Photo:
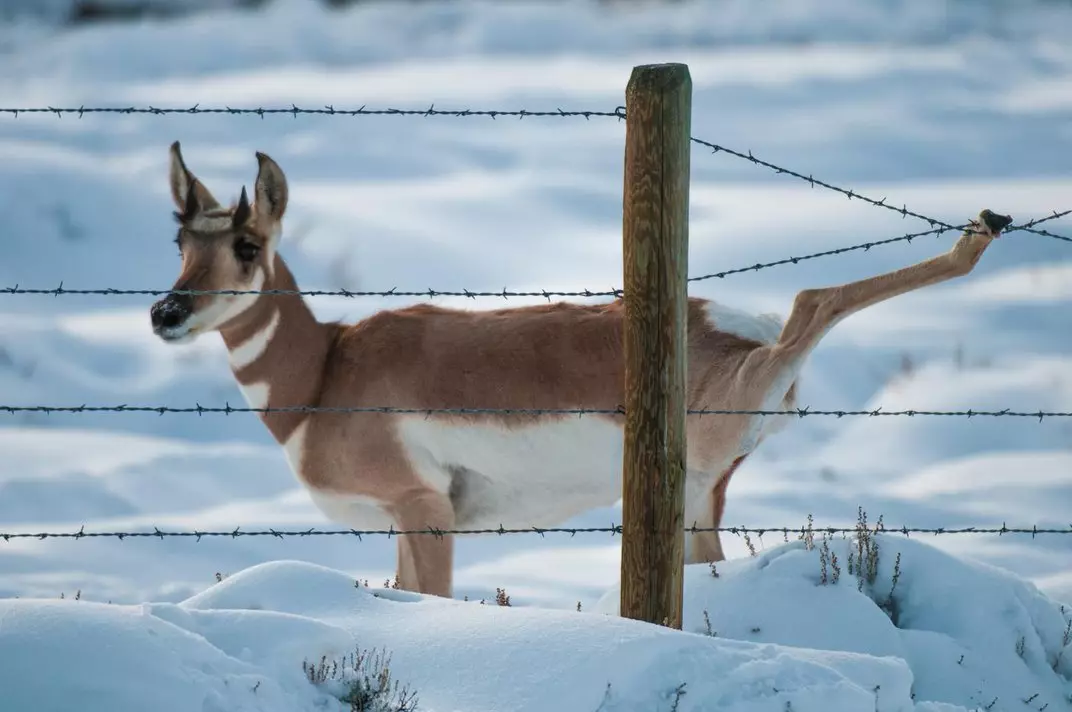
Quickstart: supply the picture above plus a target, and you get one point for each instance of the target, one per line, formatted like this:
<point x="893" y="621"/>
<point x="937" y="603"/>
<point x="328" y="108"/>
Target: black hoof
<point x="996" y="223"/>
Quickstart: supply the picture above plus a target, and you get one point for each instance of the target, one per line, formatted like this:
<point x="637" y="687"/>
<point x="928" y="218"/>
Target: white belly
<point x="535" y="475"/>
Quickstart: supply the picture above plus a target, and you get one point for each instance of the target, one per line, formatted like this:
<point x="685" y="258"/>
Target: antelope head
<point x="223" y="249"/>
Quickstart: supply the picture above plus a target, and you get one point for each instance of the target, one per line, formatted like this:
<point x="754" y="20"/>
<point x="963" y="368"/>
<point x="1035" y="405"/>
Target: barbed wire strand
<point x="294" y="111"/>
<point x="861" y="246"/>
<point x="504" y="293"/>
<point x="880" y="203"/>
<point x="613" y="530"/>
<point x="429" y="293"/>
<point x="824" y="253"/>
<point x="619" y="113"/>
<point x="228" y="409"/>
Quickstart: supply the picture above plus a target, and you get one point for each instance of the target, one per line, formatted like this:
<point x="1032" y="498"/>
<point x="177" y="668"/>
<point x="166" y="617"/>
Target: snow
<point x="765" y="634"/>
<point x="944" y="107"/>
<point x="957" y="624"/>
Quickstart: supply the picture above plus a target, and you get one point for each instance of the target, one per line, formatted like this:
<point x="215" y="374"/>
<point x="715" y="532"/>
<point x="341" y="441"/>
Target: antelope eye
<point x="246" y="251"/>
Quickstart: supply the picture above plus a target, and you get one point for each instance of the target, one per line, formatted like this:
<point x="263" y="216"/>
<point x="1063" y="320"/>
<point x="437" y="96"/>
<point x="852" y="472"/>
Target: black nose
<point x="171" y="311"/>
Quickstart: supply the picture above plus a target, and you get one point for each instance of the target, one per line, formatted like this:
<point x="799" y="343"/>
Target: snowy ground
<point x="924" y="632"/>
<point x="945" y="113"/>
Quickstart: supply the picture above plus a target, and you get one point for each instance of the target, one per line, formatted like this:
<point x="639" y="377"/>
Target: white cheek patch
<point x="226" y="306"/>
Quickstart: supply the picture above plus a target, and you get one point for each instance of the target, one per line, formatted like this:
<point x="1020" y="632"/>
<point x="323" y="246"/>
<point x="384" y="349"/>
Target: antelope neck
<point x="278" y="352"/>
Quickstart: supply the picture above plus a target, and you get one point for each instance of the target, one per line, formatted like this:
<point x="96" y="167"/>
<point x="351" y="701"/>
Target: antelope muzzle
<point x="170" y="316"/>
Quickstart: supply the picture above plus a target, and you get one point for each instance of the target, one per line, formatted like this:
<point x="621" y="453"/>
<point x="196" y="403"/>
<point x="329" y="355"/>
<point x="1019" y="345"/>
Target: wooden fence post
<point x="658" y="101"/>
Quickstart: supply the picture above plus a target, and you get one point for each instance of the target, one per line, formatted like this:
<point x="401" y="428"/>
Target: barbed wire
<point x="619" y="113"/>
<point x="613" y="530"/>
<point x="867" y="246"/>
<point x="429" y="293"/>
<point x="228" y="409"/>
<point x="504" y="293"/>
<point x="294" y="111"/>
<point x="825" y="253"/>
<point x="938" y="226"/>
<point x="881" y="202"/>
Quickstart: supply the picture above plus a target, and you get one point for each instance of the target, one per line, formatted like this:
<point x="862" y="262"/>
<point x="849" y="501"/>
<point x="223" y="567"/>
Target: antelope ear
<point x="270" y="192"/>
<point x="187" y="191"/>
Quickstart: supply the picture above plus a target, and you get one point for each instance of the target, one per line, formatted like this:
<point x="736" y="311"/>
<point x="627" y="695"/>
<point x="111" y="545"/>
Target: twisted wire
<point x="613" y="530"/>
<point x="228" y="409"/>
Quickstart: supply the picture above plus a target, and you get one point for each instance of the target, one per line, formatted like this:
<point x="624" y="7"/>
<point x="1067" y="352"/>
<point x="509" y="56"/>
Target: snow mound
<point x="970" y="632"/>
<point x="457" y="656"/>
<point x="926" y="632"/>
<point x="62" y="655"/>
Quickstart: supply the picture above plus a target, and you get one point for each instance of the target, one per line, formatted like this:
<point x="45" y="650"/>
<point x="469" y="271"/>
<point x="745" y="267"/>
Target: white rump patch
<point x="254" y="347"/>
<point x="774" y="399"/>
<point x="764" y="328"/>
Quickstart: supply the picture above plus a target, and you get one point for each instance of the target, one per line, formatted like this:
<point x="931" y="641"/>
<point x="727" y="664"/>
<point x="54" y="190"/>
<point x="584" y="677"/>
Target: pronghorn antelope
<point x="368" y="470"/>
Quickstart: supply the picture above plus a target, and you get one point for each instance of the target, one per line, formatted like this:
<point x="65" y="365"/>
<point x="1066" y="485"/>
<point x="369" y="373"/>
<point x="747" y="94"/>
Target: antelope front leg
<point x="426" y="561"/>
